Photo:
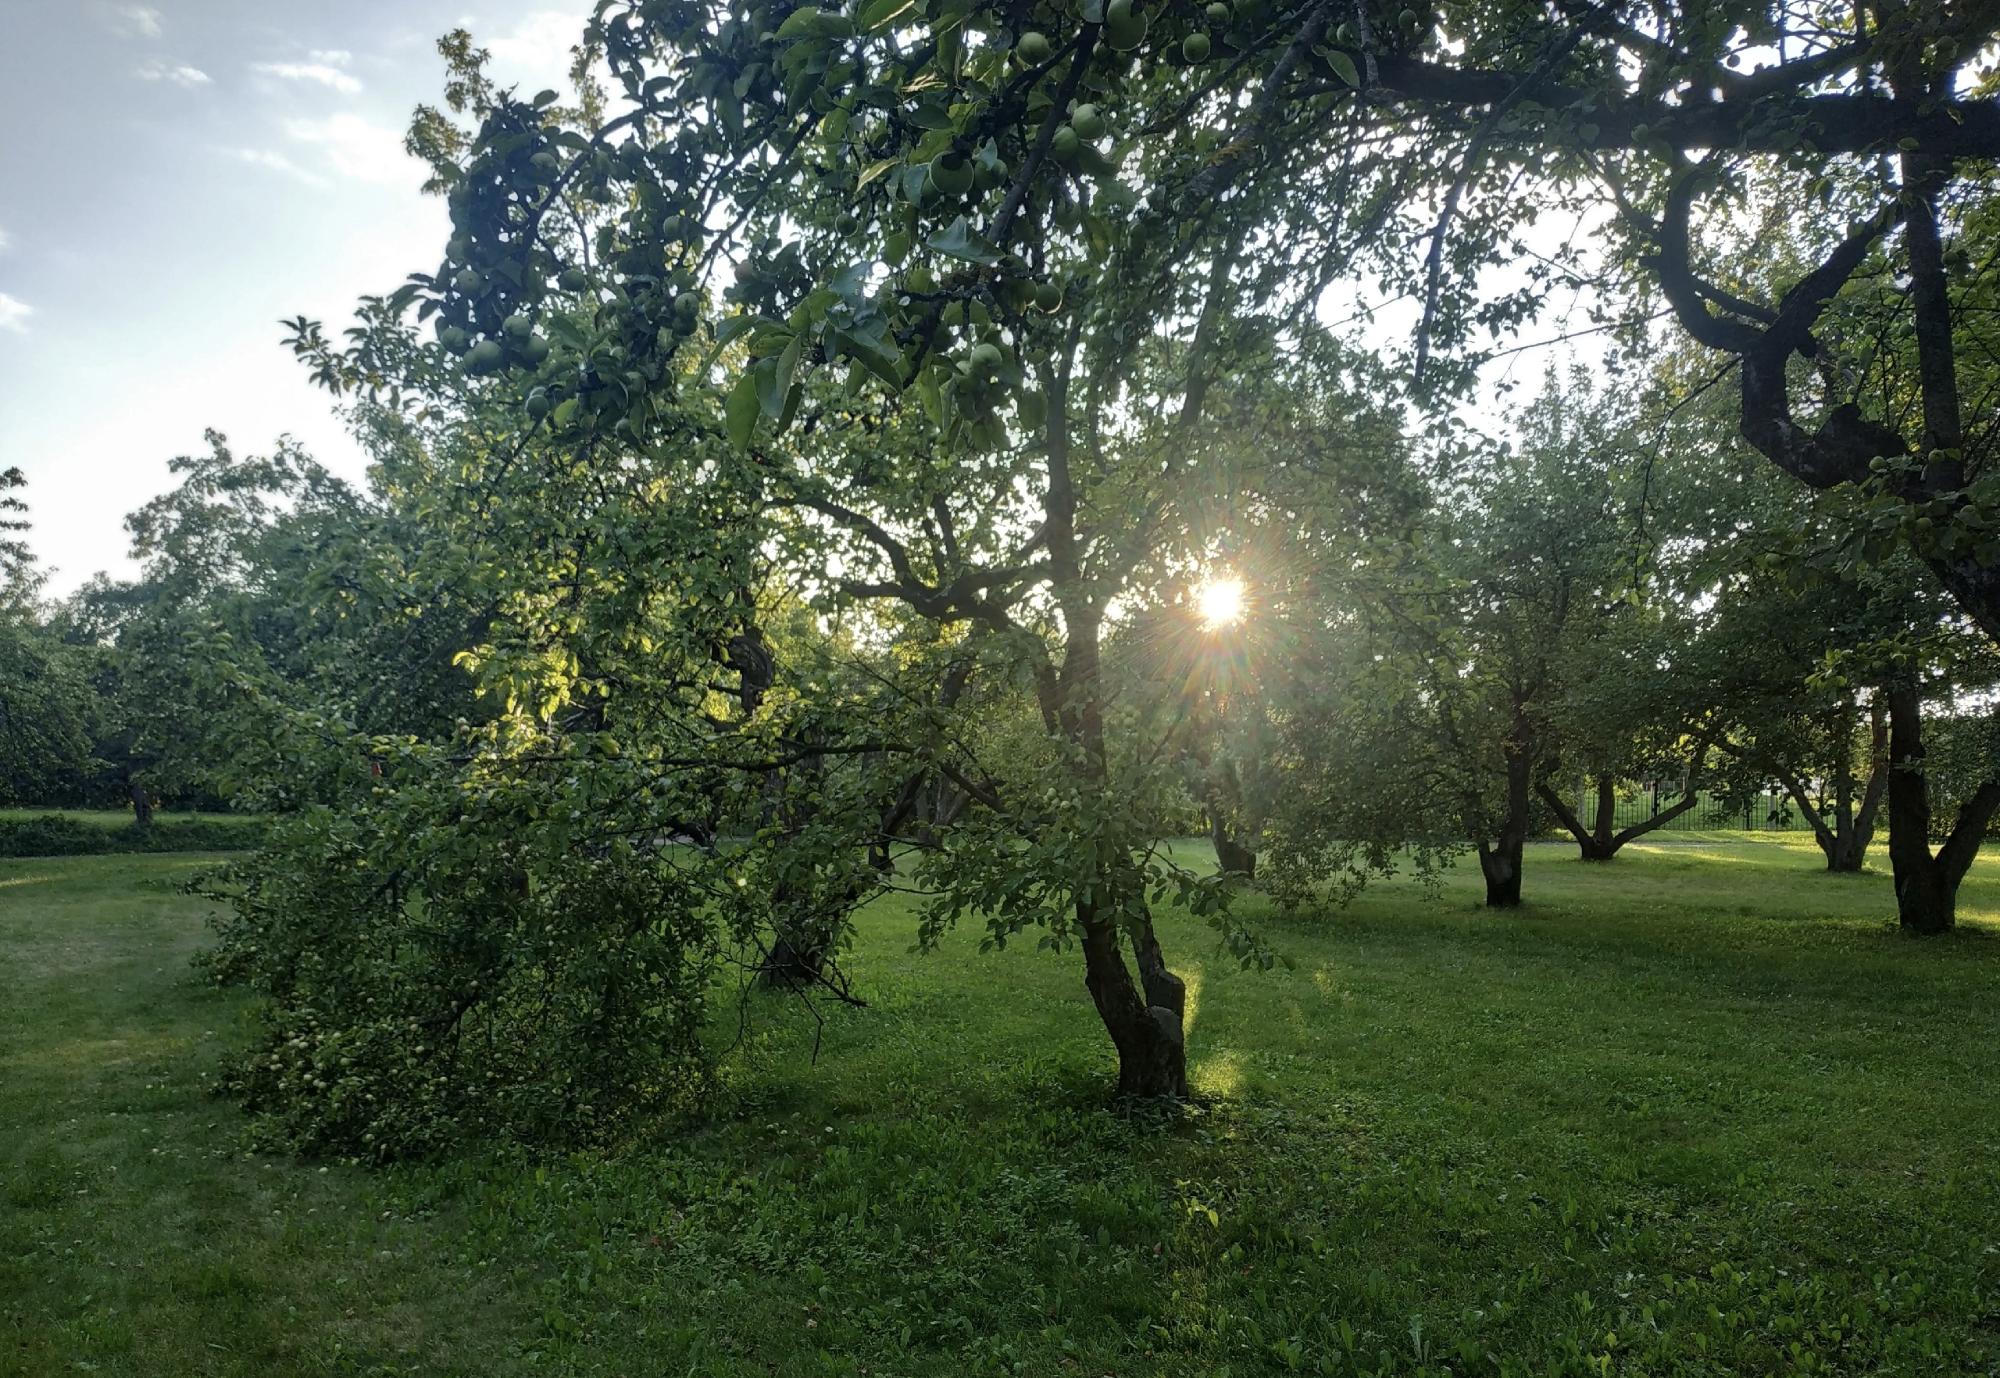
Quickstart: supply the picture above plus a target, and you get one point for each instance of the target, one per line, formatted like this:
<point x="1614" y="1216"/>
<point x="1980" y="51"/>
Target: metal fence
<point x="1769" y="810"/>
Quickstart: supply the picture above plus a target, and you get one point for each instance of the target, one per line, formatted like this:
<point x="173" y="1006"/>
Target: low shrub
<point x="62" y="835"/>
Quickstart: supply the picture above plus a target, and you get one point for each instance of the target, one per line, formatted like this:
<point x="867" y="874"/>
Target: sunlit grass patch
<point x="1640" y="1128"/>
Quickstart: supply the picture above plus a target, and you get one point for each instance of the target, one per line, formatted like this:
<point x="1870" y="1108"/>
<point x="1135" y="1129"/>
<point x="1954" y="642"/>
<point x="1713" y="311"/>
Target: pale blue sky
<point x="181" y="174"/>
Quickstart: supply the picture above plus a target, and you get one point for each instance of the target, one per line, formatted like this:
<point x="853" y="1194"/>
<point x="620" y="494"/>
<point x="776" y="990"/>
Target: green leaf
<point x="781" y="381"/>
<point x="870" y="348"/>
<point x="931" y="114"/>
<point x="960" y="240"/>
<point x="815" y="23"/>
<point x="741" y="410"/>
<point x="567" y="332"/>
<point x="879" y="14"/>
<point x="1343" y="66"/>
<point x="875" y="170"/>
<point x="735" y="326"/>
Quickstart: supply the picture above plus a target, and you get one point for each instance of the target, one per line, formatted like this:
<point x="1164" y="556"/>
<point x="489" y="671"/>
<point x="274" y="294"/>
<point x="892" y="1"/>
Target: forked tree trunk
<point x="1599" y="841"/>
<point x="1926" y="882"/>
<point x="1854" y="826"/>
<point x="1602" y="840"/>
<point x="1143" y="1019"/>
<point x="1845" y="829"/>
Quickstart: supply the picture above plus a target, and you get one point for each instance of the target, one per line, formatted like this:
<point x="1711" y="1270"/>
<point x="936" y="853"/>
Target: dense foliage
<point x="793" y="481"/>
<point x="55" y="834"/>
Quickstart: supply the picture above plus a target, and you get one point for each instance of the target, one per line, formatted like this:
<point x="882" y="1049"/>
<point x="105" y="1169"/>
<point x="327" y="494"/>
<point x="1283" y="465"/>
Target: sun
<point x="1219" y="600"/>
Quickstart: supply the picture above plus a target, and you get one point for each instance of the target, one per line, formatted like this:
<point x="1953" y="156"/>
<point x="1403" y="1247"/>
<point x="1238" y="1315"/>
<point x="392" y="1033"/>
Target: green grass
<point x="1701" y="1111"/>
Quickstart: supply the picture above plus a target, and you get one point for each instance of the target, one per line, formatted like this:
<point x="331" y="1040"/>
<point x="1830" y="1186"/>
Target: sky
<point x="181" y="175"/>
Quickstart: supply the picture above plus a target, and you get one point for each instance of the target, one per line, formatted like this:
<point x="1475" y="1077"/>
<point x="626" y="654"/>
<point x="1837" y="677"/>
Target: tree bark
<point x="1926" y="882"/>
<point x="1500" y="859"/>
<point x="1853" y="830"/>
<point x="1231" y="856"/>
<point x="1593" y="843"/>
<point x="1500" y="864"/>
<point x="1146" y="1029"/>
<point x="142" y="805"/>
<point x="1844" y="829"/>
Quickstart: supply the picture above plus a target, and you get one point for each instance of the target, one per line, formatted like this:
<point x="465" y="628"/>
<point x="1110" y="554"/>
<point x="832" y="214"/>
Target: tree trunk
<point x="1500" y="859"/>
<point x="1230" y="855"/>
<point x="1601" y="844"/>
<point x="1927" y="882"/>
<point x="1595" y="843"/>
<point x="1926" y="898"/>
<point x="1145" y="1028"/>
<point x="1924" y="904"/>
<point x="1844" y="829"/>
<point x="1854" y="823"/>
<point x="1850" y="853"/>
<point x="1920" y="904"/>
<point x="142" y="805"/>
<point x="1500" y="863"/>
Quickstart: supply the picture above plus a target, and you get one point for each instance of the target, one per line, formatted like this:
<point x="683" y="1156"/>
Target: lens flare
<point x="1220" y="601"/>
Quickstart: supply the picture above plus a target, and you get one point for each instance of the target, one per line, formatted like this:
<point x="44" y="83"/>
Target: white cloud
<point x="179" y="73"/>
<point x="274" y="161"/>
<point x="536" y="52"/>
<point x="332" y="57"/>
<point x="357" y="148"/>
<point x="136" y="21"/>
<point x="14" y="314"/>
<point x="324" y="73"/>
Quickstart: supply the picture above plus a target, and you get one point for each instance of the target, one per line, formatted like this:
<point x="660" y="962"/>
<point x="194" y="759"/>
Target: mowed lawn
<point x="1700" y="1111"/>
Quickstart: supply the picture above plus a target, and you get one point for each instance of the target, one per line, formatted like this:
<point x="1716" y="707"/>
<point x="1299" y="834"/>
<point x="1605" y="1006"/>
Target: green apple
<point x="1123" y="29"/>
<point x="950" y="173"/>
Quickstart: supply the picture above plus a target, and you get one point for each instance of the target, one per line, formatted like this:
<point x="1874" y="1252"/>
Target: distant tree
<point x="19" y="578"/>
<point x="1509" y="642"/>
<point x="1825" y="744"/>
<point x="1636" y="716"/>
<point x="266" y="583"/>
<point x="47" y="708"/>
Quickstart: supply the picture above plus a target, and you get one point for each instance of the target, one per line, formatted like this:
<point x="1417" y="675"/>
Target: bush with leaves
<point x="444" y="960"/>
